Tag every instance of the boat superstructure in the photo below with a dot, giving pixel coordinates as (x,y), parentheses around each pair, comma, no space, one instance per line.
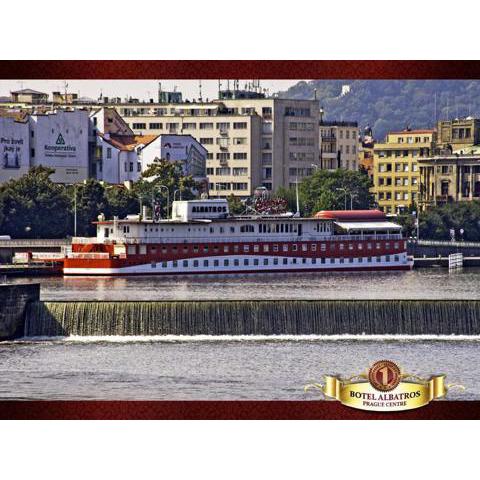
(202,237)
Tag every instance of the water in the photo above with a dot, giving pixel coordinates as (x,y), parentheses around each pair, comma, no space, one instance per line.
(255,369)
(436,283)
(180,368)
(257,317)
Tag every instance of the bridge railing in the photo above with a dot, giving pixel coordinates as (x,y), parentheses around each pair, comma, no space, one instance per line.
(443,243)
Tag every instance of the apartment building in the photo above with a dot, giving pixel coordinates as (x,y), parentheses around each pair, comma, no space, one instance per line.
(338,145)
(396,174)
(251,140)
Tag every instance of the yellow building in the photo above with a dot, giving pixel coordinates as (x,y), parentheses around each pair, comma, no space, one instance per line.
(396,175)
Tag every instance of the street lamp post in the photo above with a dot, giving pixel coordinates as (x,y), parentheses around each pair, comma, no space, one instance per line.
(345,192)
(75,210)
(168,196)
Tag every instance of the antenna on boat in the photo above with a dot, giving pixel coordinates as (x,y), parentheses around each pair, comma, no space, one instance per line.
(297,213)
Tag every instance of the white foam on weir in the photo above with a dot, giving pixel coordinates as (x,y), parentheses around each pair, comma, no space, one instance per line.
(245,338)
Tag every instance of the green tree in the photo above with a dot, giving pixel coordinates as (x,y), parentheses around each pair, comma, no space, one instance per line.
(121,201)
(235,205)
(331,190)
(165,174)
(91,201)
(437,222)
(34,207)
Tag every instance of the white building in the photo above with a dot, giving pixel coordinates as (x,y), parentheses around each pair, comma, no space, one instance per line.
(57,140)
(14,145)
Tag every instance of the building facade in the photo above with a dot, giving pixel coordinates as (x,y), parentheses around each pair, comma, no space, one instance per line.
(458,134)
(338,145)
(57,140)
(250,142)
(449,178)
(396,174)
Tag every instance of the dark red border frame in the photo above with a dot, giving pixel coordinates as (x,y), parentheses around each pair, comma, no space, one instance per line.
(224,410)
(213,69)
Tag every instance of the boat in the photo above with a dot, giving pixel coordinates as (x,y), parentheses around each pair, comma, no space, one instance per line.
(202,237)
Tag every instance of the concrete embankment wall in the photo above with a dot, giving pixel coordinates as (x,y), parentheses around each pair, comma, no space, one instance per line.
(280,317)
(13,303)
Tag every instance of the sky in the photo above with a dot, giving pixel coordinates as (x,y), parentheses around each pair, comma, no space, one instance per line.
(142,89)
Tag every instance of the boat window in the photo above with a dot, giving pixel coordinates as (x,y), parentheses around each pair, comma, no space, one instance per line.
(246,248)
(215,263)
(255,261)
(236,262)
(294,247)
(205,248)
(265,248)
(175,264)
(304,247)
(285,261)
(360,260)
(360,246)
(195,263)
(340,246)
(275,261)
(232,229)
(215,248)
(304,260)
(164,264)
(245,261)
(225,263)
(205,263)
(275,248)
(256,248)
(313,247)
(342,260)
(265,261)
(285,247)
(387,258)
(379,259)
(185,249)
(185,263)
(235,249)
(225,248)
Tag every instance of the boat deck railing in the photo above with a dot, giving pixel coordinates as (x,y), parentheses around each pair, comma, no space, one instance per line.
(273,239)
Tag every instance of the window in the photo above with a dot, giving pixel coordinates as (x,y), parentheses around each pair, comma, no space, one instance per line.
(223,125)
(206,141)
(239,141)
(225,263)
(239,125)
(109,152)
(185,263)
(240,171)
(139,126)
(206,126)
(240,156)
(155,126)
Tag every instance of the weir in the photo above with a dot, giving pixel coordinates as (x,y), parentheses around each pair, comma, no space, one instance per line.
(284,317)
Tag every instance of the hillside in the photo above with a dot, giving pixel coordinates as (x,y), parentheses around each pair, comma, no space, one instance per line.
(392,104)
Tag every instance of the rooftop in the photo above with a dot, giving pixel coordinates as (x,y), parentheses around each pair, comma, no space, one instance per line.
(28,91)
(128,143)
